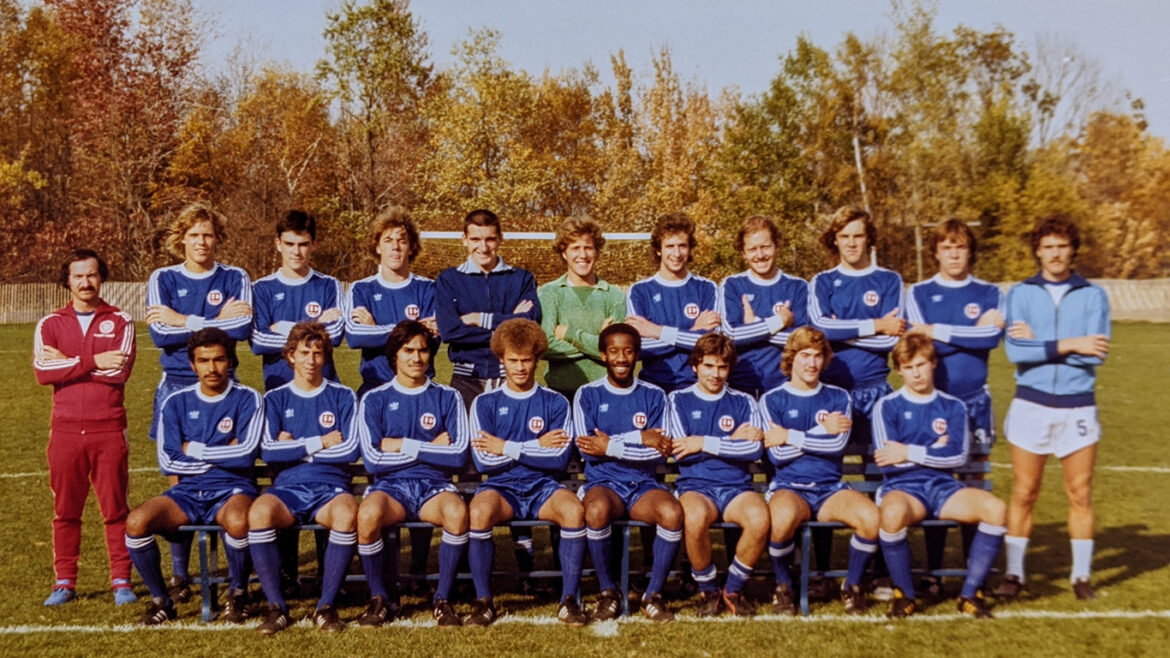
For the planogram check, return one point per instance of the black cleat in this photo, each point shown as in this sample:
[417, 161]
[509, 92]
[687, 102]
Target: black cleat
[1084, 589]
[822, 589]
[709, 604]
[376, 614]
[930, 588]
[783, 601]
[235, 607]
[609, 605]
[901, 606]
[654, 608]
[327, 620]
[571, 613]
[274, 622]
[853, 597]
[180, 590]
[158, 613]
[1009, 587]
[483, 612]
[738, 604]
[975, 607]
[444, 614]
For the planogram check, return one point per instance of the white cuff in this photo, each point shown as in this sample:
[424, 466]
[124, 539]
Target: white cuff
[775, 323]
[796, 438]
[917, 454]
[195, 323]
[669, 335]
[314, 445]
[711, 445]
[485, 320]
[410, 447]
[284, 327]
[614, 449]
[512, 449]
[865, 329]
[195, 450]
[942, 333]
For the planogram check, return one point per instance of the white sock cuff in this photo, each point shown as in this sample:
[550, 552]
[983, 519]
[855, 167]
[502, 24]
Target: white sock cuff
[572, 533]
[993, 530]
[704, 576]
[1012, 540]
[891, 537]
[862, 545]
[267, 536]
[597, 534]
[740, 569]
[373, 548]
[342, 538]
[240, 544]
[139, 543]
[783, 549]
[483, 535]
[673, 536]
[455, 540]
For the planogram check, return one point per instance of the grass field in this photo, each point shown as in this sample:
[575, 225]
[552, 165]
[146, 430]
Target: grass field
[1131, 569]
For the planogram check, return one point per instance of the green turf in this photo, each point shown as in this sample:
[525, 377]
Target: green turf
[1132, 566]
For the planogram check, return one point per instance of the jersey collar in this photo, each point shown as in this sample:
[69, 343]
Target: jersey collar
[217, 398]
[841, 269]
[672, 284]
[294, 282]
[395, 285]
[181, 268]
[469, 267]
[518, 396]
[308, 394]
[947, 283]
[916, 398]
[703, 395]
[618, 391]
[418, 390]
[787, 386]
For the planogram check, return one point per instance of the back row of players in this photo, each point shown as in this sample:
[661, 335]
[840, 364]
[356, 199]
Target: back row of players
[692, 337]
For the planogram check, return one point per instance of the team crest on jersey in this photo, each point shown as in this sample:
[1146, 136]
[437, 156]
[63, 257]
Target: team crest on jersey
[691, 311]
[107, 326]
[870, 298]
[214, 297]
[822, 416]
[412, 311]
[971, 311]
[225, 424]
[726, 423]
[326, 419]
[427, 421]
[279, 296]
[939, 426]
[603, 407]
[312, 309]
[640, 420]
[535, 424]
[779, 306]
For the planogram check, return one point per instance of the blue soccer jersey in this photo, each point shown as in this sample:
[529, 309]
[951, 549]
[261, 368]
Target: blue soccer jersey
[200, 297]
[308, 416]
[812, 454]
[933, 426]
[622, 413]
[953, 307]
[221, 435]
[674, 305]
[279, 304]
[417, 416]
[724, 461]
[843, 304]
[389, 303]
[760, 343]
[521, 419]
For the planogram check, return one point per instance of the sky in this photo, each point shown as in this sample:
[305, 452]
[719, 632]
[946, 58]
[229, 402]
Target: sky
[713, 44]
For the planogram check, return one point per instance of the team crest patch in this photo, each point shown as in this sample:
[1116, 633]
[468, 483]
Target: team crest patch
[640, 420]
[215, 298]
[312, 309]
[971, 311]
[939, 426]
[412, 311]
[106, 326]
[822, 416]
[871, 298]
[726, 423]
[427, 421]
[326, 419]
[691, 311]
[225, 424]
[535, 424]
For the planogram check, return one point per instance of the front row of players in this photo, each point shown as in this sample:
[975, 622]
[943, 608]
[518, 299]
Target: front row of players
[413, 436]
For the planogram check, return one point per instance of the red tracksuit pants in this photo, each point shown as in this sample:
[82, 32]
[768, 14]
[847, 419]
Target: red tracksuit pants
[77, 460]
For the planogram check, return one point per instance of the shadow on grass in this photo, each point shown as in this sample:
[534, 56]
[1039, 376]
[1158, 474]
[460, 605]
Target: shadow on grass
[1124, 552]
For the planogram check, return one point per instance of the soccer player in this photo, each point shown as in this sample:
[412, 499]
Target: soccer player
[620, 425]
[919, 435]
[717, 433]
[520, 439]
[210, 434]
[1058, 333]
[575, 307]
[309, 435]
[180, 300]
[760, 307]
[673, 308]
[414, 437]
[379, 302]
[85, 351]
[808, 426]
[294, 293]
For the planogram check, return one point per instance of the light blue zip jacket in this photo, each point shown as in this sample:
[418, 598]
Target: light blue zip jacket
[1044, 376]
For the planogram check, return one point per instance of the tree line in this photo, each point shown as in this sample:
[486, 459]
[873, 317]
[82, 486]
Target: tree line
[109, 124]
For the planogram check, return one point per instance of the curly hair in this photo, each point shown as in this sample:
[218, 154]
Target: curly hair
[577, 227]
[518, 335]
[619, 328]
[800, 340]
[194, 213]
[1056, 225]
[390, 218]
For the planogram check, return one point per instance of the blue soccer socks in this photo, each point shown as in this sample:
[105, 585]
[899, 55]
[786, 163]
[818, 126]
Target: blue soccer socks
[338, 554]
[664, 549]
[984, 549]
[896, 551]
[451, 551]
[860, 551]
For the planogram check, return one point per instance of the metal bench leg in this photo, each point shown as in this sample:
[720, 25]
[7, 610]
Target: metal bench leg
[205, 588]
[805, 565]
[625, 570]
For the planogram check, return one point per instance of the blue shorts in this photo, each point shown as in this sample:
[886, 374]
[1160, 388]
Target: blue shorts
[201, 504]
[166, 386]
[527, 498]
[305, 500]
[720, 495]
[864, 398]
[813, 494]
[628, 492]
[411, 493]
[980, 417]
[933, 491]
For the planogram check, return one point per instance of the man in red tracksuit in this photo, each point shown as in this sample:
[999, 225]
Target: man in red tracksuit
[86, 351]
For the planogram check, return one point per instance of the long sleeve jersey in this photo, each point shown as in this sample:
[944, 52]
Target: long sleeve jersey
[208, 425]
[922, 423]
[844, 303]
[812, 454]
[723, 460]
[279, 303]
[521, 419]
[575, 360]
[417, 416]
[200, 297]
[622, 413]
[308, 416]
[760, 343]
[674, 305]
[953, 308]
[389, 303]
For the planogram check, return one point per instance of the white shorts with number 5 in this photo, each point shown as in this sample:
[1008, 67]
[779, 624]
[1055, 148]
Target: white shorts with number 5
[1050, 430]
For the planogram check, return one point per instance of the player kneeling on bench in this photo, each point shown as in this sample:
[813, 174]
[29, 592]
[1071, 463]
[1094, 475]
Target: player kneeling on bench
[208, 433]
[309, 436]
[414, 436]
[919, 435]
[808, 427]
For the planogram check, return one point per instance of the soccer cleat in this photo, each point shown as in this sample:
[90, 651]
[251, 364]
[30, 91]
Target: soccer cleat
[235, 608]
[483, 612]
[158, 613]
[274, 622]
[444, 614]
[326, 619]
[122, 596]
[376, 614]
[60, 596]
[709, 604]
[901, 606]
[854, 599]
[883, 589]
[822, 589]
[783, 601]
[571, 613]
[1010, 587]
[738, 604]
[975, 607]
[1084, 589]
[180, 590]
[609, 606]
[654, 608]
[930, 587]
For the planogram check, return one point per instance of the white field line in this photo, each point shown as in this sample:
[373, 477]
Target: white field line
[1118, 469]
[548, 620]
[37, 474]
